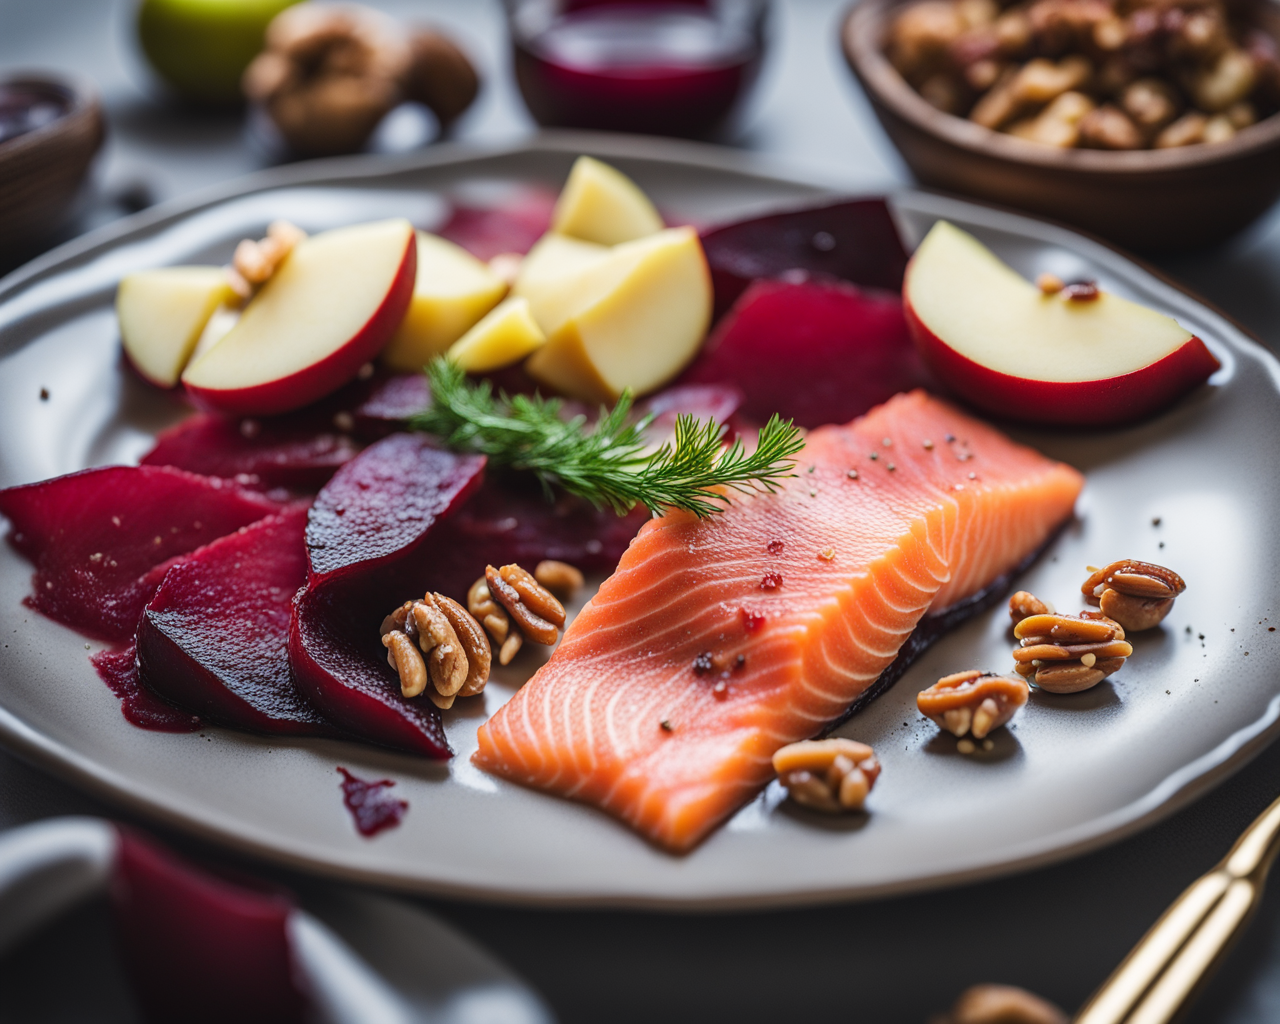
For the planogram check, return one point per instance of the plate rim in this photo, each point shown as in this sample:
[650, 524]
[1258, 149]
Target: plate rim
[1171, 794]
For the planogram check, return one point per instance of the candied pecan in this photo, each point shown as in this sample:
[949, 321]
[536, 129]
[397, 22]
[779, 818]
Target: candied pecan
[1058, 124]
[492, 615]
[831, 775]
[561, 578]
[972, 702]
[1024, 604]
[531, 606]
[446, 660]
[1108, 127]
[1188, 130]
[921, 35]
[1150, 102]
[1227, 81]
[1138, 595]
[474, 644]
[1069, 653]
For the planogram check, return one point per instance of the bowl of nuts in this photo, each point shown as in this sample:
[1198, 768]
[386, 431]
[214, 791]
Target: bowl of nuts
[1152, 123]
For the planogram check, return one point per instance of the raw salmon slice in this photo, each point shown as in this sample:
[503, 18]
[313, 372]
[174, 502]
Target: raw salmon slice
[718, 641]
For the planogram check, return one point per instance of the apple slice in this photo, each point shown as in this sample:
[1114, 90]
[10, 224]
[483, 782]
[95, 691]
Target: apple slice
[453, 290]
[551, 269]
[330, 308]
[1010, 348]
[505, 335]
[162, 314]
[632, 319]
[601, 204]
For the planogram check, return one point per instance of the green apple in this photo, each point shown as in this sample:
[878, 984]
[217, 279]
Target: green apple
[201, 47]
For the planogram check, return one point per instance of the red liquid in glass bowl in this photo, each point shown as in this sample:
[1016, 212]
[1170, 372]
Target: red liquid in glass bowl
[658, 68]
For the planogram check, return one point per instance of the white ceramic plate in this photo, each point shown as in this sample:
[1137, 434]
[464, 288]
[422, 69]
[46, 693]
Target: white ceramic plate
[1075, 773]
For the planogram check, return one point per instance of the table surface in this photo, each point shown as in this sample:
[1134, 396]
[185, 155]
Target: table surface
[1058, 931]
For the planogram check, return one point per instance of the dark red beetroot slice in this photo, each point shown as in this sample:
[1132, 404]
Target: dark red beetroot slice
[119, 670]
[390, 403]
[214, 639]
[102, 538]
[814, 352]
[366, 542]
[510, 226]
[198, 948]
[854, 240]
[299, 452]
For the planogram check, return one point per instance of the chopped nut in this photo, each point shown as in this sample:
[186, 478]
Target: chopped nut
[972, 702]
[1138, 595]
[561, 578]
[1227, 81]
[1219, 129]
[1108, 127]
[1188, 130]
[1058, 124]
[255, 262]
[533, 608]
[1050, 284]
[1151, 103]
[510, 647]
[831, 775]
[1024, 604]
[403, 656]
[1241, 115]
[1002, 1004]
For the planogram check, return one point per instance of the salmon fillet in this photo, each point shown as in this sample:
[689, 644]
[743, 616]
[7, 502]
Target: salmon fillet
[718, 641]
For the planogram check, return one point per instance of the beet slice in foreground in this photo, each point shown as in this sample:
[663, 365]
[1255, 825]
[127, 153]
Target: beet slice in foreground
[298, 452]
[853, 240]
[366, 536]
[814, 352]
[101, 539]
[199, 948]
[214, 639]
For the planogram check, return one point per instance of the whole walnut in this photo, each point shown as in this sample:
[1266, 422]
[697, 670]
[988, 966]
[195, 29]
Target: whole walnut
[330, 73]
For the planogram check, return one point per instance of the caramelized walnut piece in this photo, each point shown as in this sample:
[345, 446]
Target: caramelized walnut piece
[1002, 1004]
[255, 262]
[1069, 653]
[1138, 595]
[531, 606]
[561, 578]
[831, 775]
[972, 702]
[403, 656]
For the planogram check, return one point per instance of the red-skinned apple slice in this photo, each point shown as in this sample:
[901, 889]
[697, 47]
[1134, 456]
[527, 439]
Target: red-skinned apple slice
[1011, 349]
[330, 308]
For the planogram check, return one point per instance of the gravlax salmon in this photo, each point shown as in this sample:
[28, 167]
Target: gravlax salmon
[718, 641]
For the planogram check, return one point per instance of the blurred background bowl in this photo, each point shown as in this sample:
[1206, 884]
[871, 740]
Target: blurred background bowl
[51, 127]
[1155, 201]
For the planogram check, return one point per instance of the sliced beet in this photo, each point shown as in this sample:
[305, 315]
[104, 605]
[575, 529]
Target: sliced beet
[719, 402]
[814, 352]
[853, 240]
[214, 639]
[390, 402]
[509, 226]
[200, 948]
[300, 452]
[367, 547]
[118, 668]
[101, 539]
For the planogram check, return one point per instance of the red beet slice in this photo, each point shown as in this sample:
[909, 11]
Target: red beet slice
[298, 452]
[853, 240]
[366, 542]
[390, 403]
[214, 639]
[719, 402]
[510, 226]
[119, 670]
[101, 539]
[199, 948]
[814, 352]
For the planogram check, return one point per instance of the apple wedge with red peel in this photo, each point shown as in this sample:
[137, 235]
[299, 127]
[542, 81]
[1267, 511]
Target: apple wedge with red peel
[333, 304]
[1018, 352]
[163, 313]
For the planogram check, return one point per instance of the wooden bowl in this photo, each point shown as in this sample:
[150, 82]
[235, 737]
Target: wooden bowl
[1150, 200]
[41, 170]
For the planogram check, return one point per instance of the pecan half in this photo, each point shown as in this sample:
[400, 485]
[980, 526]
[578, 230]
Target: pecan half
[474, 643]
[492, 615]
[972, 701]
[561, 578]
[455, 656]
[403, 656]
[831, 775]
[1024, 604]
[1138, 595]
[531, 606]
[446, 660]
[1069, 653]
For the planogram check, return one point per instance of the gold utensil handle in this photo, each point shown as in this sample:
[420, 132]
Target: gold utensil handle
[1154, 982]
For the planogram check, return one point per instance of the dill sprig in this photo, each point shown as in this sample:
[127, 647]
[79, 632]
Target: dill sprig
[609, 462]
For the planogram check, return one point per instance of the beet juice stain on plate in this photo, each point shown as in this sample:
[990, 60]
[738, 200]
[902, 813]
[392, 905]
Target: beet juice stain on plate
[372, 807]
[655, 67]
